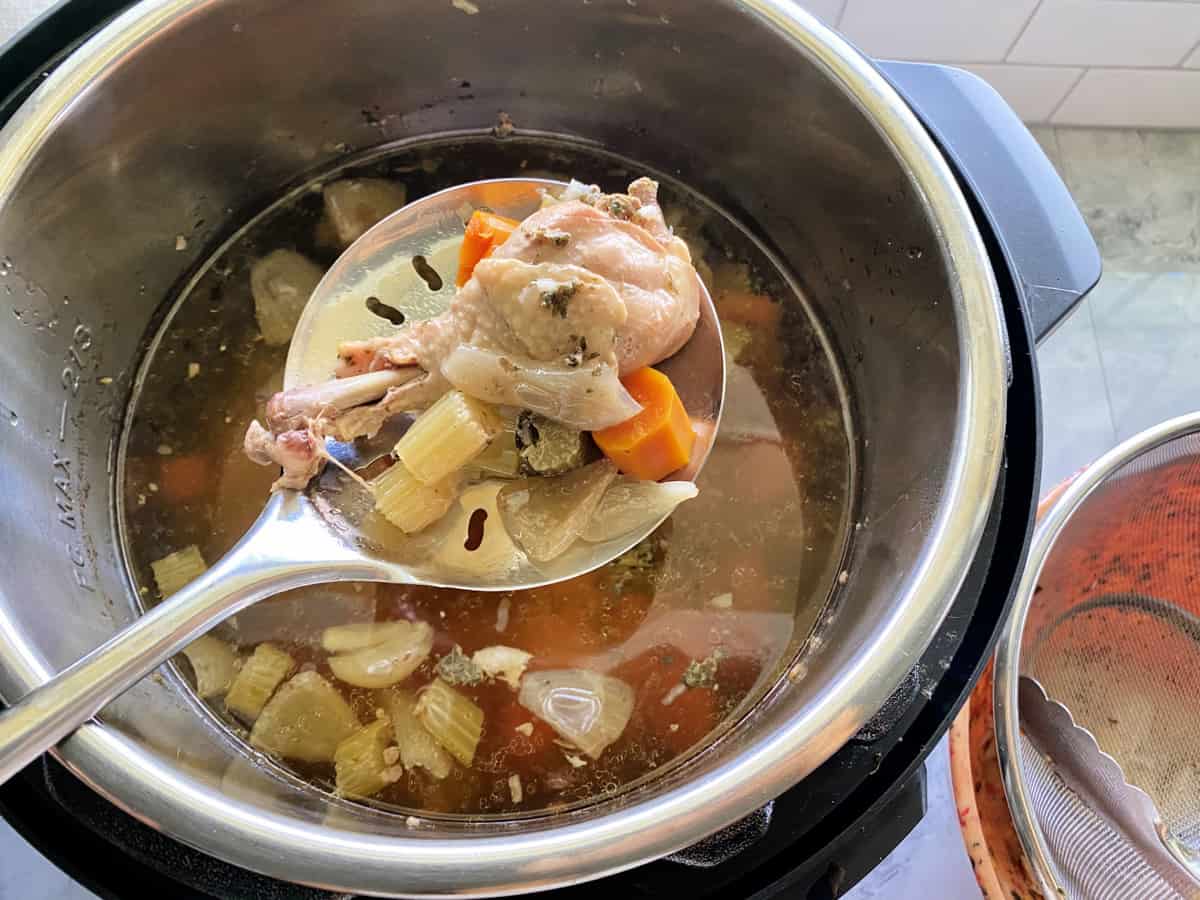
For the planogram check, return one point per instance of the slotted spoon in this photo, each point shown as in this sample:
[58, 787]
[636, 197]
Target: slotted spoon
[323, 533]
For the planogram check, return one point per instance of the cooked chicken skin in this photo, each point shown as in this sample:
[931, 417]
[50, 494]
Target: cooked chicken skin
[655, 281]
[652, 275]
[600, 280]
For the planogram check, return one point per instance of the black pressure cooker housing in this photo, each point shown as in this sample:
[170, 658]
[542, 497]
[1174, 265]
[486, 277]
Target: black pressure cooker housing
[823, 835]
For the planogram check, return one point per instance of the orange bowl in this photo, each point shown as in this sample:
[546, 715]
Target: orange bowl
[1000, 865]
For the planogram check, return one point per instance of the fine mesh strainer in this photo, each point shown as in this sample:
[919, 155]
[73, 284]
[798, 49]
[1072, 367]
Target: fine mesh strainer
[1098, 678]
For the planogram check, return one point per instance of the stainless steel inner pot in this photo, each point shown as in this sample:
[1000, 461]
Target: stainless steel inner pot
[185, 117]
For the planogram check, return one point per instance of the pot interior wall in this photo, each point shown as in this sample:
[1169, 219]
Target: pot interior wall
[217, 110]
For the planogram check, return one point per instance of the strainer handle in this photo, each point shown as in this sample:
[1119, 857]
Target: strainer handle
[1097, 777]
[286, 548]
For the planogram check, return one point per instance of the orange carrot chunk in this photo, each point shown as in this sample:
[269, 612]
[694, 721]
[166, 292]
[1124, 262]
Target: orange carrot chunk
[485, 232]
[659, 439]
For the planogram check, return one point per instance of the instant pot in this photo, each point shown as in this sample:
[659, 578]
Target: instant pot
[926, 228]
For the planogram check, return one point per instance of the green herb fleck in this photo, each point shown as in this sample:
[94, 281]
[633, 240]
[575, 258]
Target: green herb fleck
[702, 673]
[548, 448]
[458, 669]
[555, 236]
[575, 357]
[637, 566]
[640, 556]
[620, 208]
[527, 431]
[556, 300]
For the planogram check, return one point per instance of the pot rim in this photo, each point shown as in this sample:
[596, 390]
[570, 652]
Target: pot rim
[201, 816]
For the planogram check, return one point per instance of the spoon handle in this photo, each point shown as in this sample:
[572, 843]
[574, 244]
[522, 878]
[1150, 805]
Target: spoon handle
[288, 547]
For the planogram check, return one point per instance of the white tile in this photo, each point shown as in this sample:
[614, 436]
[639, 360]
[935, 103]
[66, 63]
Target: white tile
[939, 30]
[1033, 91]
[1133, 98]
[1109, 33]
[828, 11]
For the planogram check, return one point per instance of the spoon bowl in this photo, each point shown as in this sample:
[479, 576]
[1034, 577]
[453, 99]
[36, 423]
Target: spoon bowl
[327, 533]
[407, 262]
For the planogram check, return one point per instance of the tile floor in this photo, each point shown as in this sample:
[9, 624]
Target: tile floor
[1125, 360]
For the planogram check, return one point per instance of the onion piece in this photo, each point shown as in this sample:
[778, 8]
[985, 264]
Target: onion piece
[386, 663]
[353, 205]
[588, 397]
[631, 504]
[359, 635]
[586, 708]
[281, 283]
[545, 516]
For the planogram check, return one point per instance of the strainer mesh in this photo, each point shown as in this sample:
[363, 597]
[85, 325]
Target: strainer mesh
[1094, 861]
[1113, 634]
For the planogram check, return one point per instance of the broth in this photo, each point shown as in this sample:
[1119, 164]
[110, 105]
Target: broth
[743, 569]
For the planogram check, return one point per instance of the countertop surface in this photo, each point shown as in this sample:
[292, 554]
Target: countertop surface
[1139, 191]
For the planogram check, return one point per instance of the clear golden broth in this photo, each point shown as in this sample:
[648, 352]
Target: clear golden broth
[768, 526]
